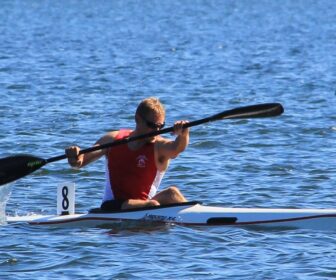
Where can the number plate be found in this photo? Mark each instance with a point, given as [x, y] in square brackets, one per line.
[66, 199]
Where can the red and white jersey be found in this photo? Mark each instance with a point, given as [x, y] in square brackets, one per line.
[131, 174]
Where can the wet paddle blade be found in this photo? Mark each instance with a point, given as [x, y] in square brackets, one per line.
[15, 167]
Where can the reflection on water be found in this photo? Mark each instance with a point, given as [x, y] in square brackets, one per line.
[134, 227]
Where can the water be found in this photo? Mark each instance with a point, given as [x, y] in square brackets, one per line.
[71, 71]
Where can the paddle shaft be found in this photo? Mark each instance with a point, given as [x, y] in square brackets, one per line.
[254, 111]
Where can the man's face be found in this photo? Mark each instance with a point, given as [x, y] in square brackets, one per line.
[152, 122]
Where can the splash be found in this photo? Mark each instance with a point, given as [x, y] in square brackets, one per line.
[5, 192]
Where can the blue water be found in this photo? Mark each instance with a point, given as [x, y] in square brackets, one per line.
[72, 70]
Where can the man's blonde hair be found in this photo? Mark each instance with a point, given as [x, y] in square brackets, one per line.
[149, 105]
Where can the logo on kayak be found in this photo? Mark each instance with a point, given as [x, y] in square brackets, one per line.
[141, 161]
[159, 218]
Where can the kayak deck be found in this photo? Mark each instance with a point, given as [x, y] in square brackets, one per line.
[193, 213]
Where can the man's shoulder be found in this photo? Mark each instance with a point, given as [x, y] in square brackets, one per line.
[111, 134]
[108, 137]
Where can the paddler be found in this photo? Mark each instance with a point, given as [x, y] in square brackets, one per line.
[134, 170]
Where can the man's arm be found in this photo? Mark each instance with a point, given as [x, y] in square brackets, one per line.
[77, 161]
[167, 150]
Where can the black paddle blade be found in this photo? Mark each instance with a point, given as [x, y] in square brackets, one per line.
[254, 111]
[15, 167]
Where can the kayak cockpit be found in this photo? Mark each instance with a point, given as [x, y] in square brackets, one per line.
[182, 204]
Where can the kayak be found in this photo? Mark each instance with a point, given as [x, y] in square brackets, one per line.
[192, 214]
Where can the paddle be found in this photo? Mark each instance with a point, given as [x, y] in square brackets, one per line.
[18, 166]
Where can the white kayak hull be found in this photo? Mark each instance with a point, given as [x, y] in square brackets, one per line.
[193, 214]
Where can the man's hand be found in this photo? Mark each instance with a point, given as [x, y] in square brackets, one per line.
[179, 130]
[74, 159]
